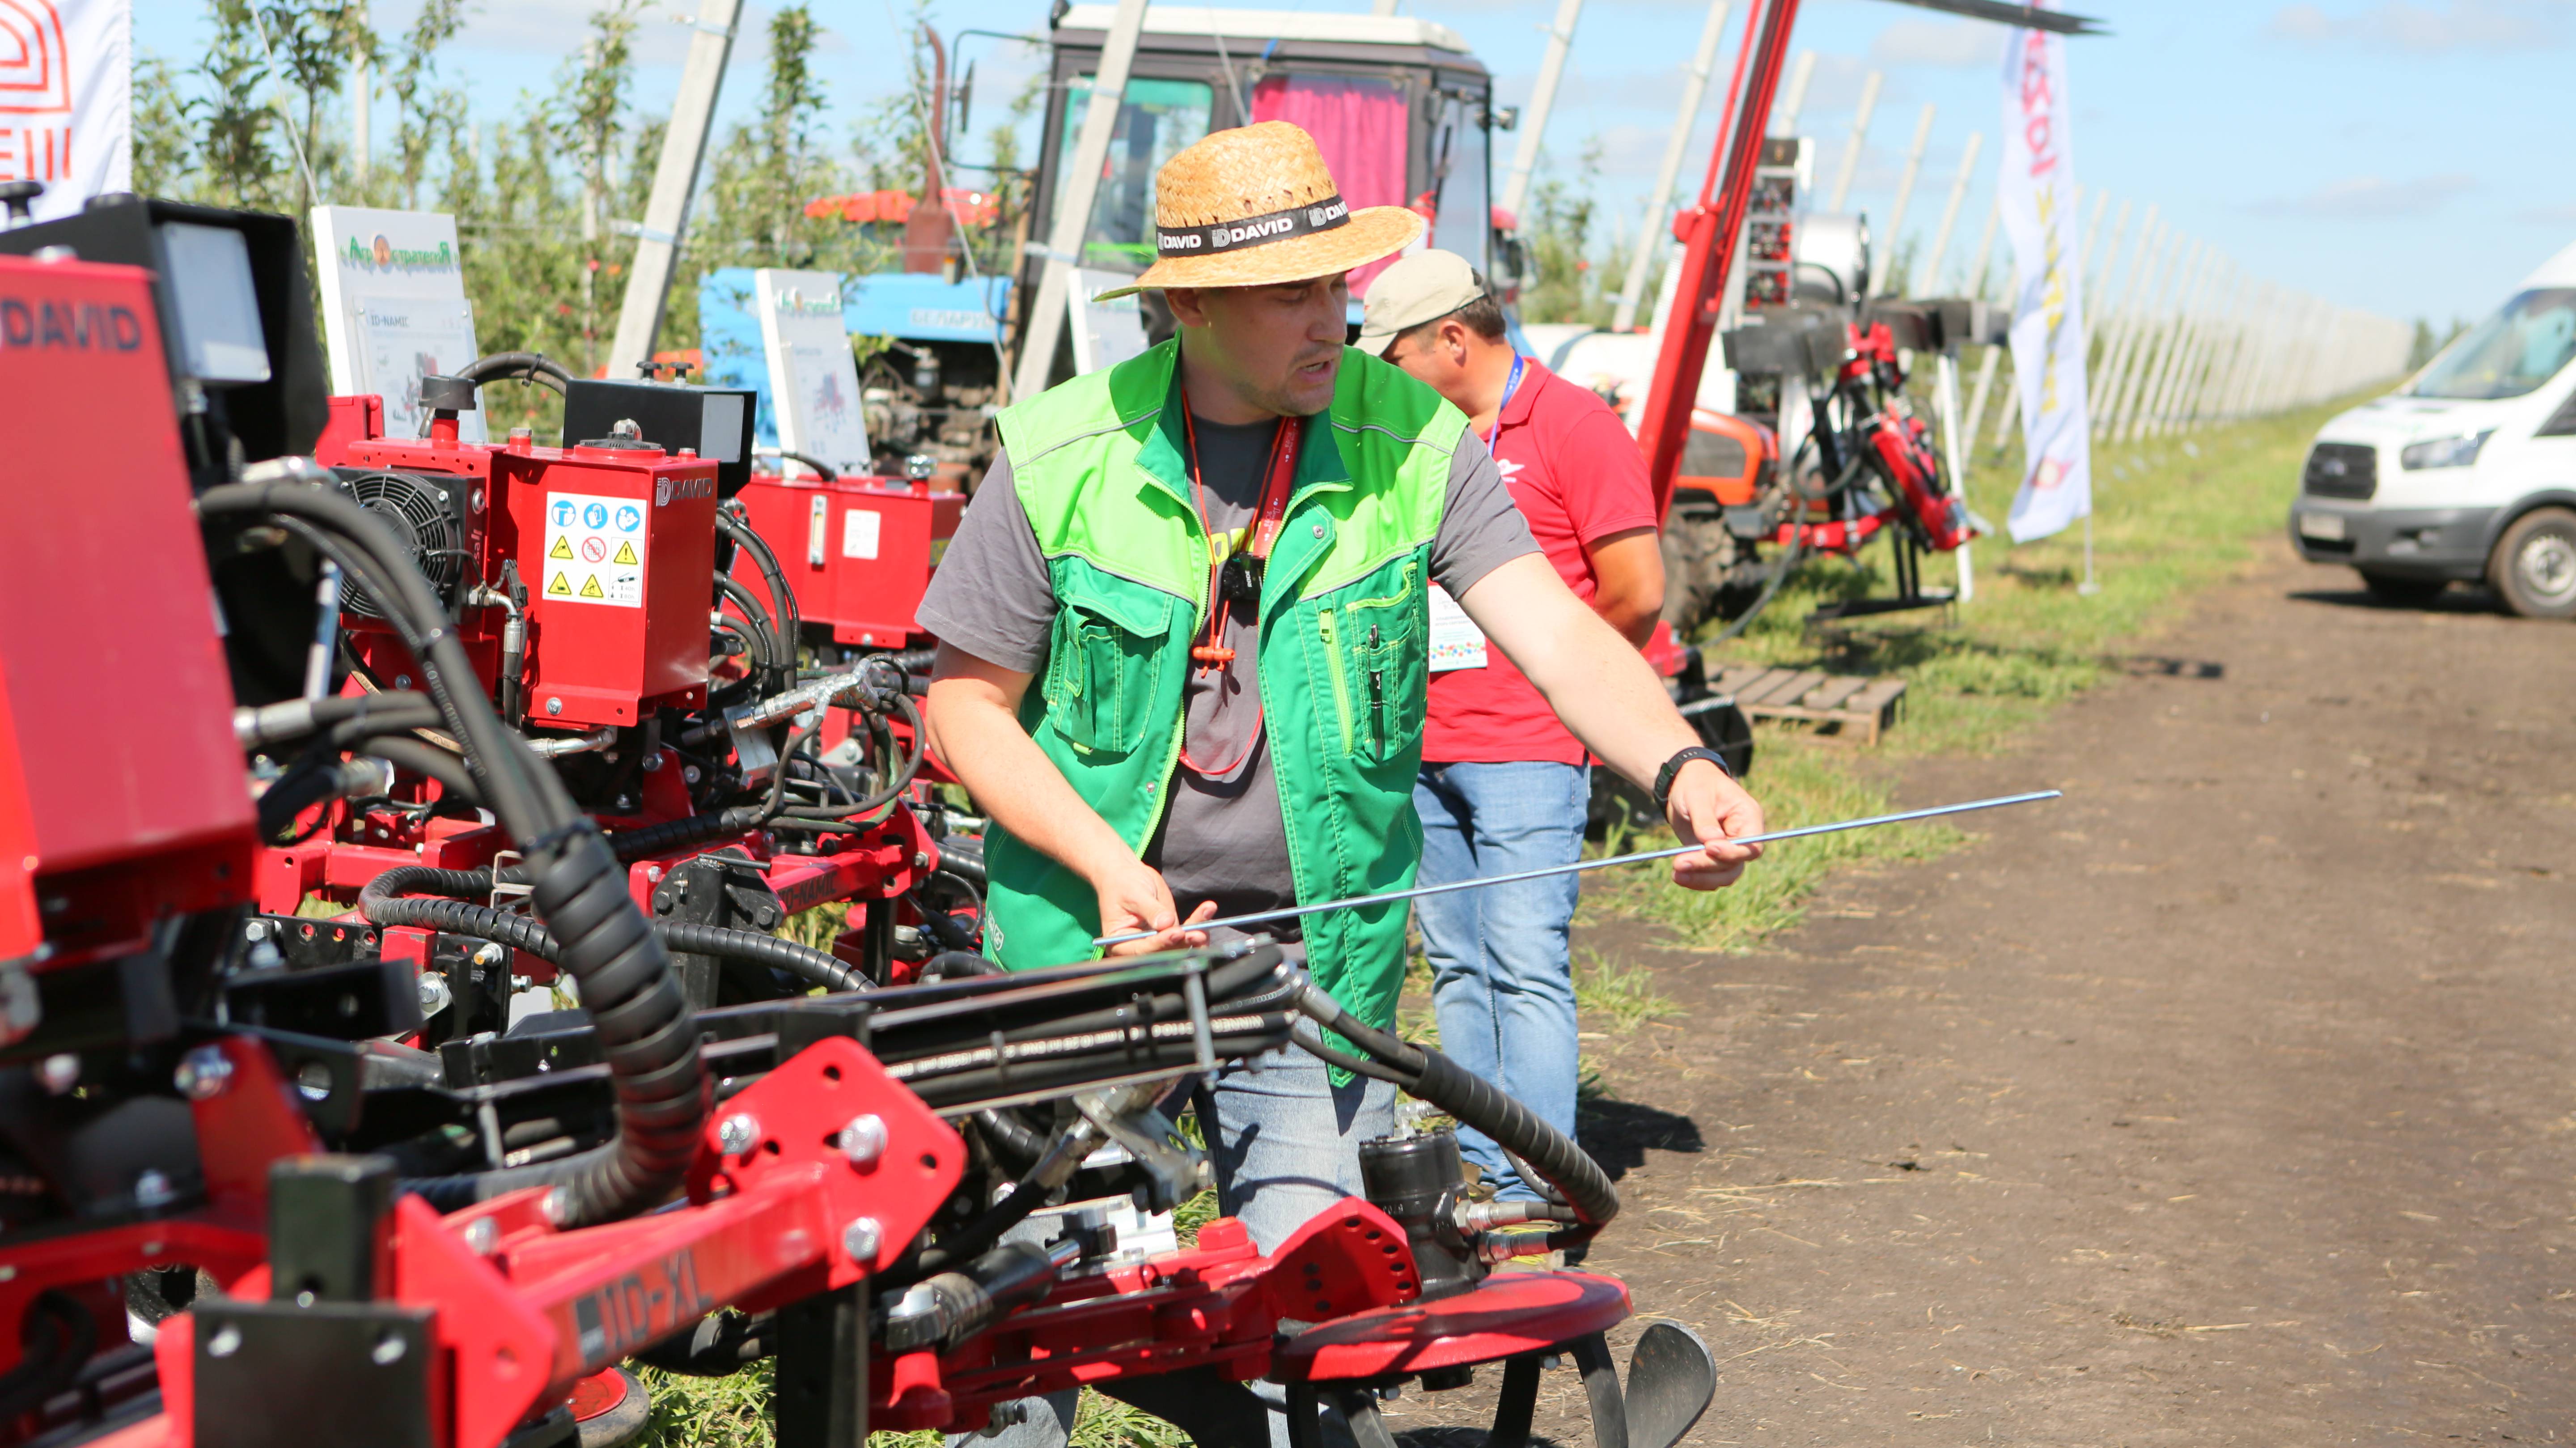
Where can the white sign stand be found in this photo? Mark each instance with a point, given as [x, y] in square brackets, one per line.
[393, 308]
[813, 376]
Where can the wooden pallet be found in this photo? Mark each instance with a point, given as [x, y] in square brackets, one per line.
[1853, 701]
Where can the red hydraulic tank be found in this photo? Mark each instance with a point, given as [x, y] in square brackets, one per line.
[122, 795]
[857, 551]
[617, 545]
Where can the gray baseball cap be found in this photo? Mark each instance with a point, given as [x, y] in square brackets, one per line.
[1423, 287]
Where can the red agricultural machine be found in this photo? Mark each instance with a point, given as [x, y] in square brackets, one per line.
[403, 1020]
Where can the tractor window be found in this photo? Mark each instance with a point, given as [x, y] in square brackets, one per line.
[1464, 221]
[2510, 353]
[1158, 118]
[1360, 124]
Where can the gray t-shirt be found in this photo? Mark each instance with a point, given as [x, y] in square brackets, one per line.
[1223, 837]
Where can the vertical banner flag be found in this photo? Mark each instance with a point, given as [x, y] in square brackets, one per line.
[67, 99]
[393, 307]
[813, 376]
[2038, 194]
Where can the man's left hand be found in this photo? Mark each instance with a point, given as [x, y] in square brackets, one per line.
[1707, 807]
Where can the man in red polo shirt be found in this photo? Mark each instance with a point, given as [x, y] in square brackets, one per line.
[1504, 787]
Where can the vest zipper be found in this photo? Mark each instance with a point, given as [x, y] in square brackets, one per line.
[1341, 685]
[1377, 697]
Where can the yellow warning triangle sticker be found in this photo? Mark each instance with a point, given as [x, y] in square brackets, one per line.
[590, 587]
[562, 549]
[625, 554]
[559, 588]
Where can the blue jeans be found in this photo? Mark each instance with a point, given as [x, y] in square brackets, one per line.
[1501, 980]
[1286, 1145]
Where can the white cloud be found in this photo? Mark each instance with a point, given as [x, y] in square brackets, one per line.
[2417, 29]
[2361, 197]
[1949, 44]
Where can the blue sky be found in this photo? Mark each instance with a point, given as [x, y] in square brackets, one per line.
[2404, 156]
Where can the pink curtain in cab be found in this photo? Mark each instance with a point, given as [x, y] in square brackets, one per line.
[1359, 125]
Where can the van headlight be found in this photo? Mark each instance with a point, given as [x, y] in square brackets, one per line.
[2444, 452]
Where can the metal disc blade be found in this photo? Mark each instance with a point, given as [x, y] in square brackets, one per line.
[1671, 1380]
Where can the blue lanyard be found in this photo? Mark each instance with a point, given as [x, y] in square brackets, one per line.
[1509, 387]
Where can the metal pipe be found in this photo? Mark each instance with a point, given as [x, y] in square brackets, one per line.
[1580, 866]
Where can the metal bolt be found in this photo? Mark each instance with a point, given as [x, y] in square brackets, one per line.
[434, 994]
[558, 1206]
[554, 706]
[864, 1140]
[921, 859]
[388, 1350]
[489, 954]
[861, 1239]
[482, 1234]
[203, 1073]
[152, 1190]
[256, 930]
[59, 1073]
[738, 1133]
[225, 1342]
[690, 774]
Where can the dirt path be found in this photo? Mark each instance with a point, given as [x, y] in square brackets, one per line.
[2232, 1099]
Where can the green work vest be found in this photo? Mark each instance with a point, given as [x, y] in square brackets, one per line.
[1103, 474]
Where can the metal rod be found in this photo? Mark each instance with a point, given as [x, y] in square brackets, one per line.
[1580, 866]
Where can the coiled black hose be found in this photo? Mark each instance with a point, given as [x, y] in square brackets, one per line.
[790, 619]
[646, 1031]
[385, 903]
[778, 658]
[1477, 1103]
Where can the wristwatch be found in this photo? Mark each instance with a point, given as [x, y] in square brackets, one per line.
[1673, 766]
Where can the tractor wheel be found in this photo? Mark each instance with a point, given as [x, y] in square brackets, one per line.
[1708, 571]
[2534, 564]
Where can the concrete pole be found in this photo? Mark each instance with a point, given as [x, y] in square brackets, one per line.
[1383, 7]
[2270, 387]
[2084, 284]
[362, 87]
[2168, 384]
[1046, 316]
[675, 177]
[1850, 166]
[2203, 321]
[1793, 96]
[1980, 285]
[1931, 282]
[1975, 283]
[2258, 328]
[1551, 69]
[2159, 377]
[2225, 331]
[1652, 234]
[1905, 194]
[2121, 344]
[2155, 336]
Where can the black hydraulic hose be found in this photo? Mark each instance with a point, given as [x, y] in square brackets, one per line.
[385, 903]
[885, 795]
[58, 1335]
[747, 538]
[646, 1032]
[963, 856]
[822, 469]
[779, 658]
[1477, 1103]
[404, 752]
[535, 366]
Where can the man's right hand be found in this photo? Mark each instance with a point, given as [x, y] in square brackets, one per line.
[1133, 897]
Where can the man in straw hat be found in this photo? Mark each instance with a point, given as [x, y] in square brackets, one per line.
[1184, 638]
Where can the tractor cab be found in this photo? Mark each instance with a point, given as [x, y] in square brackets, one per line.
[1402, 112]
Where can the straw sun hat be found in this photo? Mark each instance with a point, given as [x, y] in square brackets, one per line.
[1253, 207]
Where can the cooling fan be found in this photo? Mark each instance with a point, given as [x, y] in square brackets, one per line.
[428, 516]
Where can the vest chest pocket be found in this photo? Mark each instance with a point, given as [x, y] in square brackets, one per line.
[1101, 672]
[1379, 658]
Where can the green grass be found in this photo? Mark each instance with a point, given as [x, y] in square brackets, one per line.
[2171, 517]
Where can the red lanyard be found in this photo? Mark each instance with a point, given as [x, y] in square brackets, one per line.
[1269, 514]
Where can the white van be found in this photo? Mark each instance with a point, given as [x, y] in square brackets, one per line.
[2466, 473]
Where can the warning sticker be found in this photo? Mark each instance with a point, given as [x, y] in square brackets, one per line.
[594, 550]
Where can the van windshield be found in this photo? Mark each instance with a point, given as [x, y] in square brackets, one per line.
[2510, 353]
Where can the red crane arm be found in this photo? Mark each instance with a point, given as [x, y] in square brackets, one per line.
[1707, 232]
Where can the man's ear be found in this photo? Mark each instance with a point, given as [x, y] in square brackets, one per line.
[1455, 341]
[1184, 302]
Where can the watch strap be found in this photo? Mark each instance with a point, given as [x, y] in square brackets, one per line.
[1673, 766]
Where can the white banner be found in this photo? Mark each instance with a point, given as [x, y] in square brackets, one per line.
[393, 307]
[2038, 194]
[67, 99]
[813, 377]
